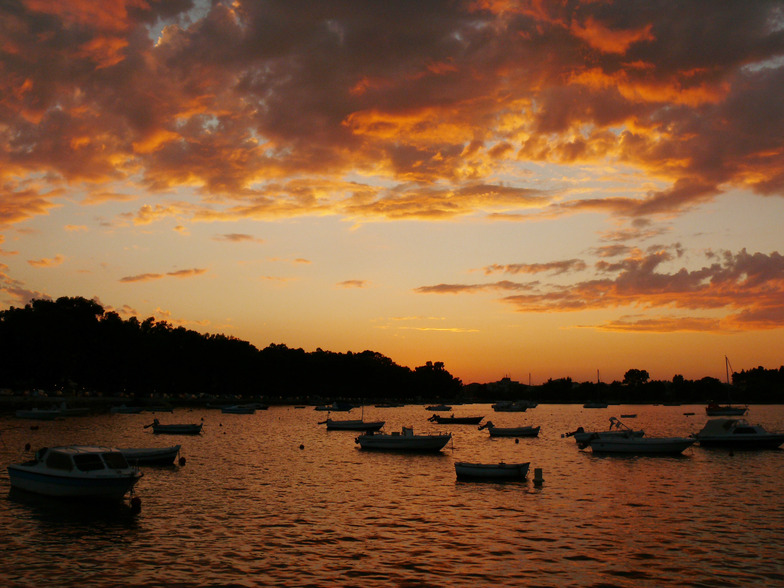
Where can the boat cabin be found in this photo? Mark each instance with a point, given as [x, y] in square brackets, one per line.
[82, 459]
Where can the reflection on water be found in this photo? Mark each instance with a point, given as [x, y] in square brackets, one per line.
[275, 499]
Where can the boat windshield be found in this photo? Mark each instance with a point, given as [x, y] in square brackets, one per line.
[58, 461]
[88, 462]
[115, 460]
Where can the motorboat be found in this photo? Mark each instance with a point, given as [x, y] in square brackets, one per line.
[525, 431]
[71, 411]
[737, 434]
[453, 420]
[151, 455]
[617, 429]
[352, 425]
[640, 445]
[238, 409]
[491, 472]
[405, 440]
[76, 471]
[438, 408]
[510, 406]
[715, 409]
[123, 409]
[38, 414]
[335, 407]
[175, 429]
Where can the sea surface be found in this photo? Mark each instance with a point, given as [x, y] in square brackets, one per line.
[273, 499]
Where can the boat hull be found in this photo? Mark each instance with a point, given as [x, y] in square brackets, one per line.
[641, 445]
[72, 486]
[771, 441]
[500, 472]
[441, 420]
[415, 443]
[514, 432]
[176, 429]
[354, 425]
[151, 456]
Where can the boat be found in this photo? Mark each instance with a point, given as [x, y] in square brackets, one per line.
[335, 407]
[176, 429]
[453, 420]
[438, 408]
[38, 414]
[352, 425]
[123, 409]
[737, 434]
[516, 406]
[70, 411]
[617, 429]
[630, 445]
[629, 416]
[405, 440]
[595, 404]
[76, 471]
[491, 472]
[526, 431]
[151, 455]
[716, 409]
[238, 409]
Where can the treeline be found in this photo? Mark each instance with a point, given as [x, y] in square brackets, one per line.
[73, 345]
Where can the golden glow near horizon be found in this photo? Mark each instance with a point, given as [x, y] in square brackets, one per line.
[511, 188]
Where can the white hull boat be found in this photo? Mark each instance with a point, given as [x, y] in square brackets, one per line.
[405, 440]
[151, 455]
[737, 434]
[76, 472]
[491, 472]
[641, 445]
[526, 431]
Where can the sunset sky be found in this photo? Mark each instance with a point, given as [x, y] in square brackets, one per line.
[525, 189]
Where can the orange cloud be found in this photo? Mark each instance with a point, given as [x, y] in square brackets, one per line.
[187, 273]
[353, 284]
[748, 287]
[47, 262]
[607, 40]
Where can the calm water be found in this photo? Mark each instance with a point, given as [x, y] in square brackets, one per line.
[251, 508]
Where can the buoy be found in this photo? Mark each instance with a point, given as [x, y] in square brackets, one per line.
[136, 504]
[182, 461]
[302, 447]
[517, 441]
[27, 447]
[538, 479]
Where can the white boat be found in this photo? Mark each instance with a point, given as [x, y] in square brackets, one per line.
[405, 440]
[352, 425]
[525, 431]
[641, 445]
[491, 472]
[76, 471]
[151, 455]
[617, 429]
[737, 434]
[176, 429]
[238, 409]
[38, 414]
